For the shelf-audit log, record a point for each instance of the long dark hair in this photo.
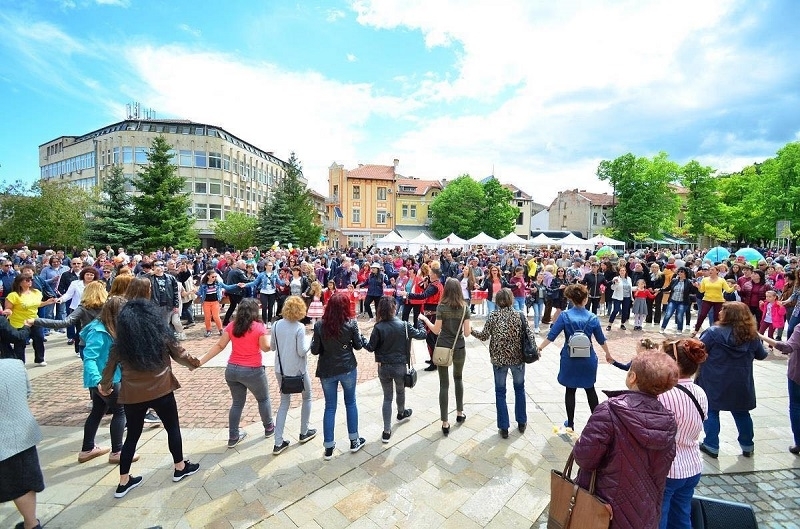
(452, 295)
(337, 312)
(142, 335)
(386, 309)
(246, 314)
(139, 288)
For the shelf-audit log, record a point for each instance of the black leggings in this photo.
(408, 308)
(267, 302)
(569, 401)
(368, 302)
(167, 410)
(99, 405)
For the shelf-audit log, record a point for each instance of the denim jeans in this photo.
(794, 410)
(677, 506)
(283, 408)
(491, 306)
(621, 307)
(744, 424)
(674, 307)
(392, 377)
(518, 379)
(538, 307)
(330, 386)
(240, 379)
(519, 304)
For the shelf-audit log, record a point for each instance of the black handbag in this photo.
(410, 378)
(289, 384)
(530, 351)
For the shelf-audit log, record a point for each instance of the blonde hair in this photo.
(294, 308)
(94, 295)
(315, 288)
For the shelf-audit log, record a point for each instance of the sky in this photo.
(535, 92)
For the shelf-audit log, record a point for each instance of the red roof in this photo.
(372, 172)
(598, 199)
(422, 186)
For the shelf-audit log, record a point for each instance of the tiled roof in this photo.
(598, 199)
(523, 195)
(374, 172)
(422, 186)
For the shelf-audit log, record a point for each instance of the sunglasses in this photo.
(27, 279)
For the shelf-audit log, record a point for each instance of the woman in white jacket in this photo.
(622, 294)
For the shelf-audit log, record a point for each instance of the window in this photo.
(564, 221)
(201, 187)
(201, 211)
(519, 203)
(226, 189)
(235, 167)
(356, 216)
(215, 188)
(127, 155)
(187, 186)
(381, 193)
(594, 218)
(335, 191)
(680, 223)
(226, 163)
(356, 193)
(116, 155)
(215, 212)
(141, 155)
(173, 156)
(404, 211)
(185, 158)
(200, 159)
(413, 212)
(214, 160)
(519, 219)
(434, 194)
(381, 217)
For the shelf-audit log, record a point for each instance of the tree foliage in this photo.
(499, 216)
(288, 216)
(161, 208)
(111, 220)
(457, 209)
(237, 229)
(47, 213)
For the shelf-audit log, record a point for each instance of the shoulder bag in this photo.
(410, 378)
(443, 356)
(289, 384)
(572, 507)
(530, 351)
(694, 400)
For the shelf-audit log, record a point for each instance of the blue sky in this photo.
(538, 91)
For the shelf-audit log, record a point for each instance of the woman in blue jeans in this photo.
(245, 370)
(335, 338)
(679, 290)
(727, 375)
(504, 328)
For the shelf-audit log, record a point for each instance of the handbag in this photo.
(289, 384)
(410, 378)
(530, 351)
(443, 356)
(572, 507)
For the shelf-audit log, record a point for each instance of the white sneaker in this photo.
(536, 330)
(662, 331)
(181, 336)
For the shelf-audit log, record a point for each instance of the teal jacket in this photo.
(95, 354)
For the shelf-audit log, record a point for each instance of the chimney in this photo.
(361, 165)
(396, 162)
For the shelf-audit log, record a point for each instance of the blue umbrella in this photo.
(718, 254)
(751, 255)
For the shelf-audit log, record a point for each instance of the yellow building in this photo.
(413, 198)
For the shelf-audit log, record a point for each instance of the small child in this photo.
(354, 298)
(328, 292)
(645, 344)
(730, 296)
(773, 314)
(315, 309)
(640, 296)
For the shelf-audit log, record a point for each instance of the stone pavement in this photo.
(473, 478)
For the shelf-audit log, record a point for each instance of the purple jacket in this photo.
(630, 441)
(792, 348)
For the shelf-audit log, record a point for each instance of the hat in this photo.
(375, 265)
(705, 267)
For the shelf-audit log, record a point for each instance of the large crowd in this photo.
(127, 314)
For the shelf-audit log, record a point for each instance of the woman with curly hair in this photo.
(335, 338)
(245, 370)
(727, 376)
(144, 349)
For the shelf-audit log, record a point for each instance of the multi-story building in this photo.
(580, 211)
(413, 198)
(222, 172)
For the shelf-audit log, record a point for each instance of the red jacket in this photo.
(630, 441)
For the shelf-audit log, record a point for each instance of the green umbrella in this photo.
(606, 251)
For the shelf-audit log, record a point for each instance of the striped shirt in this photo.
(687, 460)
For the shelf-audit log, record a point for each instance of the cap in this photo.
(705, 267)
(375, 265)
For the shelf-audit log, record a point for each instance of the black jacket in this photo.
(593, 282)
(169, 297)
(388, 340)
(336, 356)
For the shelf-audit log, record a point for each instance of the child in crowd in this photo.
(733, 295)
(328, 292)
(352, 295)
(773, 314)
(640, 296)
(315, 308)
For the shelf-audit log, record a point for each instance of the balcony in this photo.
(332, 200)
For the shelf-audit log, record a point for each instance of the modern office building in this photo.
(222, 172)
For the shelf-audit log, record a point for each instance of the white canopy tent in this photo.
(482, 239)
(571, 241)
(512, 239)
(605, 241)
(542, 240)
(390, 240)
(451, 241)
(419, 241)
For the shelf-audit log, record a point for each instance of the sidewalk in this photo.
(473, 478)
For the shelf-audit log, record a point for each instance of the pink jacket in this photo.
(778, 314)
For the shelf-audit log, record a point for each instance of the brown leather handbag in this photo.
(572, 507)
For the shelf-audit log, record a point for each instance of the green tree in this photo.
(458, 209)
(499, 216)
(112, 217)
(161, 208)
(237, 229)
(702, 204)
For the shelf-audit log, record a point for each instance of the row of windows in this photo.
(380, 216)
(216, 212)
(381, 192)
(225, 189)
(76, 163)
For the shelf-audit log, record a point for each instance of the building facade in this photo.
(413, 199)
(222, 173)
(580, 211)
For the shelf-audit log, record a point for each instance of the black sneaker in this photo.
(188, 470)
(269, 431)
(405, 415)
(357, 444)
(277, 449)
(386, 436)
(622, 327)
(122, 490)
(328, 455)
(239, 438)
(309, 435)
(152, 420)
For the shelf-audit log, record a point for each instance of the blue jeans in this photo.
(330, 388)
(744, 424)
(793, 321)
(240, 379)
(621, 307)
(674, 307)
(794, 410)
(491, 306)
(677, 507)
(518, 378)
(519, 304)
(538, 307)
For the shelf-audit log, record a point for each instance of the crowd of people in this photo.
(107, 301)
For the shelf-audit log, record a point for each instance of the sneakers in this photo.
(269, 431)
(41, 364)
(622, 327)
(181, 336)
(238, 439)
(115, 457)
(328, 455)
(537, 330)
(385, 437)
(151, 419)
(83, 457)
(208, 334)
(277, 449)
(71, 341)
(748, 453)
(608, 328)
(405, 415)
(707, 451)
(309, 435)
(188, 470)
(662, 331)
(122, 490)
(357, 444)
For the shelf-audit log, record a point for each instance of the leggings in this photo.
(408, 308)
(267, 302)
(569, 402)
(167, 410)
(368, 302)
(211, 312)
(705, 307)
(459, 357)
(99, 405)
(392, 377)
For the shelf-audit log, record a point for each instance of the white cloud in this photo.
(190, 30)
(351, 58)
(332, 15)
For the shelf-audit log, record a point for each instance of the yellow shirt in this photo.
(532, 268)
(712, 290)
(23, 307)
